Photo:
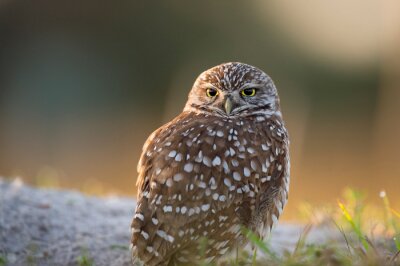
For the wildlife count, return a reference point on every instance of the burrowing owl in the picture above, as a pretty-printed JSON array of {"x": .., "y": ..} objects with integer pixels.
[{"x": 221, "y": 165}]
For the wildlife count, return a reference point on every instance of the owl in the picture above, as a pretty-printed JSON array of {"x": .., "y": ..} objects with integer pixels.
[{"x": 218, "y": 167}]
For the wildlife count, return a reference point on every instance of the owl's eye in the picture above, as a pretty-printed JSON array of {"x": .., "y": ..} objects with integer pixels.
[
  {"x": 211, "y": 92},
  {"x": 248, "y": 92}
]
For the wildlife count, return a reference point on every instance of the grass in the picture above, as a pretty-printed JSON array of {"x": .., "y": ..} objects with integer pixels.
[
  {"x": 84, "y": 259},
  {"x": 3, "y": 260},
  {"x": 366, "y": 235}
]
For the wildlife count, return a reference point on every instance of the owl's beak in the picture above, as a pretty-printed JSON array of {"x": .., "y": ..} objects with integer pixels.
[{"x": 228, "y": 105}]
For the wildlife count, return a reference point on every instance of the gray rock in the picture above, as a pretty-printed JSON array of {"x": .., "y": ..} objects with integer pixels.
[{"x": 60, "y": 227}]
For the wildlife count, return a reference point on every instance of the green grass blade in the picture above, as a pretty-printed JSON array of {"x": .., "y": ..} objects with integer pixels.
[
  {"x": 353, "y": 225},
  {"x": 396, "y": 213},
  {"x": 259, "y": 243}
]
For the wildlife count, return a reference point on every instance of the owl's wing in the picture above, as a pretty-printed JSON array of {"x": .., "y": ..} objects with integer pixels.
[{"x": 273, "y": 174}]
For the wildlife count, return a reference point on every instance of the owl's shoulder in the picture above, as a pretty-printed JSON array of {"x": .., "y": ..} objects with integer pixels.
[{"x": 166, "y": 142}]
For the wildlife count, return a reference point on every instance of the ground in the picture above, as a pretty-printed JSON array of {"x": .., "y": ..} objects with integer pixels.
[{"x": 61, "y": 227}]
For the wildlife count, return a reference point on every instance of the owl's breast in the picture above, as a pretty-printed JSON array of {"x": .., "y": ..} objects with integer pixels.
[{"x": 222, "y": 161}]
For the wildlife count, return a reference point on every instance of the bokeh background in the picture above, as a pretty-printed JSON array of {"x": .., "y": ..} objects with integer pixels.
[{"x": 83, "y": 83}]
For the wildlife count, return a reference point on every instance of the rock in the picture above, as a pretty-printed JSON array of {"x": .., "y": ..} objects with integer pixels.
[{"x": 60, "y": 227}]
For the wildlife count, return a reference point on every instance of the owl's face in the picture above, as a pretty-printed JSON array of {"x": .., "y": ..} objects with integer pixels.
[{"x": 233, "y": 89}]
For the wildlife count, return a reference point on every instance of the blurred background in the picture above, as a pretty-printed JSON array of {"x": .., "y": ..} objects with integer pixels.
[{"x": 83, "y": 83}]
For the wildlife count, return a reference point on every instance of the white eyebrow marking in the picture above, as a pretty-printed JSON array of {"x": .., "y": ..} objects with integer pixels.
[
  {"x": 211, "y": 85},
  {"x": 252, "y": 85}
]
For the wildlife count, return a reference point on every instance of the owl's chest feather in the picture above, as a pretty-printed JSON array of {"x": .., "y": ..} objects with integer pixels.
[{"x": 221, "y": 161}]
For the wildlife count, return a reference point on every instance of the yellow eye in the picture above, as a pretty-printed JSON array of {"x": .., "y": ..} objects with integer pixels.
[
  {"x": 248, "y": 92},
  {"x": 211, "y": 92}
]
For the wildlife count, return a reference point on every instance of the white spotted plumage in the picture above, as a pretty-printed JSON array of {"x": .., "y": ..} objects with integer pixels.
[{"x": 213, "y": 169}]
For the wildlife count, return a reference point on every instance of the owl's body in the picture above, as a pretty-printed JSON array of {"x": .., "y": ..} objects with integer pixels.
[{"x": 205, "y": 175}]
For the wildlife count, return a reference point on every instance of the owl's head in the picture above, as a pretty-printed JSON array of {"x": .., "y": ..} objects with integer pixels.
[{"x": 233, "y": 89}]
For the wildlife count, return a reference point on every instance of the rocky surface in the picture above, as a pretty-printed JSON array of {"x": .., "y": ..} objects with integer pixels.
[{"x": 60, "y": 227}]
